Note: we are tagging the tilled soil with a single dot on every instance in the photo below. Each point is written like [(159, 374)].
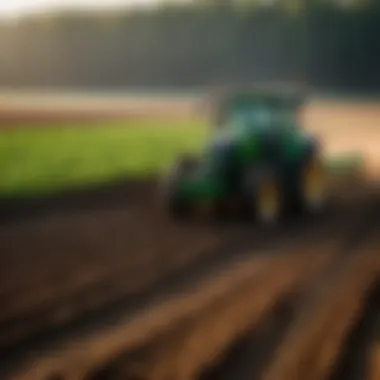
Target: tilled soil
[(99, 285)]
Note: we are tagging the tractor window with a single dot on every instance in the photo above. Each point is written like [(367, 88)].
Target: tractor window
[(260, 117), (286, 118)]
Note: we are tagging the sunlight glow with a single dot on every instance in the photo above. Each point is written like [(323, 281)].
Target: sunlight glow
[(16, 8)]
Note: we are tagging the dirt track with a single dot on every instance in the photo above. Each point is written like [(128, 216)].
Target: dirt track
[(84, 270)]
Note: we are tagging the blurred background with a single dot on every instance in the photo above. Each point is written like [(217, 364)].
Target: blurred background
[(332, 45), (79, 62)]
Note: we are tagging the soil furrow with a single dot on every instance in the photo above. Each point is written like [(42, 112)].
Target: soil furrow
[(359, 357), (163, 315), (114, 292), (86, 323), (335, 305), (347, 227), (248, 361)]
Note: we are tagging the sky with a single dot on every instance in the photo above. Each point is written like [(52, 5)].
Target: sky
[(12, 8)]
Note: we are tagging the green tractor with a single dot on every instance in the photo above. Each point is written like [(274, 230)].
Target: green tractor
[(260, 163)]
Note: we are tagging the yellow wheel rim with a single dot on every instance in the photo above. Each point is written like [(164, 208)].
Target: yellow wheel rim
[(268, 202), (314, 186)]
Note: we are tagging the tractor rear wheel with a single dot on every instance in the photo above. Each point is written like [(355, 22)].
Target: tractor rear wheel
[(173, 204)]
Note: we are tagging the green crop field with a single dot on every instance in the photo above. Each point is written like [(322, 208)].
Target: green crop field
[(50, 158), (44, 160)]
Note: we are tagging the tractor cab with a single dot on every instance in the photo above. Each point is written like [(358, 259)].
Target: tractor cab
[(259, 112), (252, 122)]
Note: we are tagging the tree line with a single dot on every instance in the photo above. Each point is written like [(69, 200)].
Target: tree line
[(202, 43)]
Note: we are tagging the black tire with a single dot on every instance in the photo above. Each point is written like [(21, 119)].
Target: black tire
[(173, 204)]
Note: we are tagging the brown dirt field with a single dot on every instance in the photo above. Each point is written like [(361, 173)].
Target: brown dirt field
[(98, 285), (94, 268), (347, 127)]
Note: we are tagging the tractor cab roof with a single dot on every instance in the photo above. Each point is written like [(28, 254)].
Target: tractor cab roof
[(268, 98), (256, 99)]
